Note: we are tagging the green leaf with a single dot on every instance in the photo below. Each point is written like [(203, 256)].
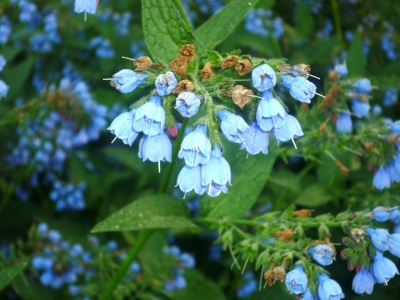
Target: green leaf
[(356, 61), (303, 19), (16, 77), (8, 274), (313, 196), (164, 31), (126, 156), (154, 211), (219, 26), (249, 176)]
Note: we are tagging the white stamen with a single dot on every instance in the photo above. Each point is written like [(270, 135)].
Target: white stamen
[(184, 195), (113, 140), (294, 144), (195, 156), (314, 76), (159, 167), (108, 78), (128, 58), (317, 94), (254, 96), (209, 188), (84, 17)]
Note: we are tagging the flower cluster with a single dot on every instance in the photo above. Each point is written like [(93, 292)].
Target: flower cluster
[(260, 21), (3, 86)]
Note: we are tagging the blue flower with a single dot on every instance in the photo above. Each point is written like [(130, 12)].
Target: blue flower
[(216, 174), (341, 69), (309, 296), (322, 254), (249, 286), (394, 244), (196, 147), (296, 280), (379, 238), (363, 86), (3, 89), (270, 112), (329, 289), (360, 109), (87, 6), (363, 282), (2, 62), (155, 148), (290, 129), (381, 214), (343, 123), (165, 83), (187, 104), (383, 269), (257, 141), (392, 171), (389, 99), (302, 90), (122, 127), (189, 179), (150, 117), (127, 80), (381, 179), (233, 127), (263, 77)]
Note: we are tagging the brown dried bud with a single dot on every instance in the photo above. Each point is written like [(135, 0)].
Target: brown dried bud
[(302, 213), (333, 76), (187, 52), (284, 68), (284, 235), (206, 72), (279, 274), (369, 146), (301, 70), (393, 138), (345, 171), (357, 234), (244, 66), (328, 100), (322, 128), (183, 86), (179, 66), (269, 278), (230, 61), (143, 63), (113, 84), (241, 96)]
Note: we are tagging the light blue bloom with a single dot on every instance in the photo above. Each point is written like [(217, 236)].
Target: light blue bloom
[(189, 179), (122, 127), (216, 174), (263, 77), (3, 89), (257, 141), (363, 86), (329, 289), (381, 179), (270, 112), (127, 80), (381, 214), (363, 282), (309, 296), (187, 104), (302, 90), (155, 148), (165, 83), (322, 254), (87, 6), (296, 280), (360, 109), (394, 244), (379, 238), (150, 117), (341, 69), (344, 123), (383, 269), (291, 129), (2, 62), (392, 171), (196, 147), (233, 127), (389, 99)]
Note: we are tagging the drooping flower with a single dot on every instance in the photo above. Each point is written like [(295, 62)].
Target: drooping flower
[(263, 77), (196, 147), (233, 127), (150, 117), (296, 280), (383, 269), (127, 80), (379, 238), (257, 141), (360, 109), (189, 179), (270, 112), (309, 296), (394, 244), (381, 214), (187, 104), (87, 6), (322, 254), (155, 148), (122, 127), (165, 83), (343, 123), (302, 90), (216, 174), (363, 86), (341, 69), (3, 89), (381, 179), (363, 282), (291, 129), (329, 289)]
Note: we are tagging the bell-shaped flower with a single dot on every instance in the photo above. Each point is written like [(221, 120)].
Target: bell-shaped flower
[(187, 104), (155, 148), (322, 254), (360, 109), (328, 288), (291, 129), (302, 90), (343, 123), (380, 214), (122, 127), (392, 171), (383, 269), (150, 117), (189, 179), (296, 280), (196, 147), (270, 112), (394, 244), (233, 127), (216, 174), (165, 83), (379, 238), (263, 77), (257, 141), (3, 89), (381, 179), (87, 6), (363, 86), (127, 80), (2, 62), (341, 69), (363, 282)]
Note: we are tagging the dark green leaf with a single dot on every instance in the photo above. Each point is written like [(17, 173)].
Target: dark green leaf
[(154, 211), (165, 32), (303, 19), (8, 274), (313, 196), (16, 77), (356, 61), (248, 178), (219, 26), (126, 156)]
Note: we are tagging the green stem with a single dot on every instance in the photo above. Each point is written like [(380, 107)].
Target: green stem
[(183, 14), (133, 252), (336, 17)]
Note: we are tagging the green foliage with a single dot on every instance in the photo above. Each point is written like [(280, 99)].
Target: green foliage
[(8, 274), (356, 61)]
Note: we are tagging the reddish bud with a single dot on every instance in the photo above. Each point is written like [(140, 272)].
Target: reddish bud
[(173, 131)]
